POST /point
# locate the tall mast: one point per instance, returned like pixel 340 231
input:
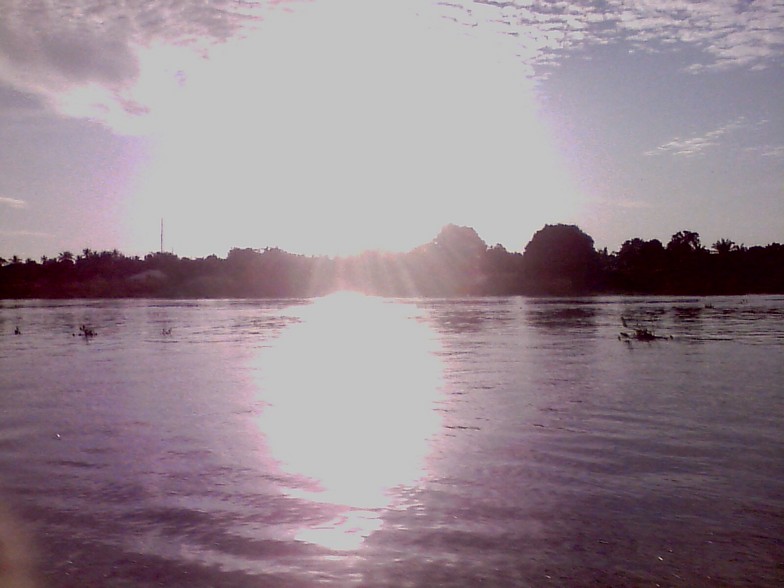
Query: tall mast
pixel 161 234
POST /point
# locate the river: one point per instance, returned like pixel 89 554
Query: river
pixel 360 441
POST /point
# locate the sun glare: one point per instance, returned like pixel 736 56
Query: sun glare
pixel 338 128
pixel 349 395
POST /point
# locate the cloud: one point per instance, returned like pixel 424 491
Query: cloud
pixel 728 34
pixel 84 58
pixel 687 147
pixel 12 202
pixel 117 62
pixel 17 104
pixel 772 151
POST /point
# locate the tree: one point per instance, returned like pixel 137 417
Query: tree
pixel 450 265
pixel 503 271
pixel 684 243
pixel 460 243
pixel 724 246
pixel 636 254
pixel 687 262
pixel 560 259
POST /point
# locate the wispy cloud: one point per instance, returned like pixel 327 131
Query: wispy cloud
pixel 691 146
pixel 772 151
pixel 12 202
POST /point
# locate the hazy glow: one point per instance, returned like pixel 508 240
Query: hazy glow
pixel 349 398
pixel 338 128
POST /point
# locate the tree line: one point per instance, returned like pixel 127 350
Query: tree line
pixel 559 260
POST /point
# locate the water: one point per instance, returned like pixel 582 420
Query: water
pixel 352 441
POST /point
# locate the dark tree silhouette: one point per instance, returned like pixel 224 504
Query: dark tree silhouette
pixel 560 259
pixel 724 246
pixel 641 265
pixel 503 271
pixel 688 268
pixel 684 243
pixel 459 243
pixel 450 265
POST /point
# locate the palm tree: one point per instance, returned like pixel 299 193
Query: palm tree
pixel 724 246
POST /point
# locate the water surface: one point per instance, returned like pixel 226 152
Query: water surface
pixel 351 441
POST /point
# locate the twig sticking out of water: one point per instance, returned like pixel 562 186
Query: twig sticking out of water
pixel 637 333
pixel 87 332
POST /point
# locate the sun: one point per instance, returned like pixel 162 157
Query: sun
pixel 322 133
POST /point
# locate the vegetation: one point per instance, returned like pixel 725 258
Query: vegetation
pixel 559 260
pixel 637 333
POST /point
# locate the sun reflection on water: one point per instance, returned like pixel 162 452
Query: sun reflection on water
pixel 349 393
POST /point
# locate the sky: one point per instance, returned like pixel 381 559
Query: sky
pixel 327 127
